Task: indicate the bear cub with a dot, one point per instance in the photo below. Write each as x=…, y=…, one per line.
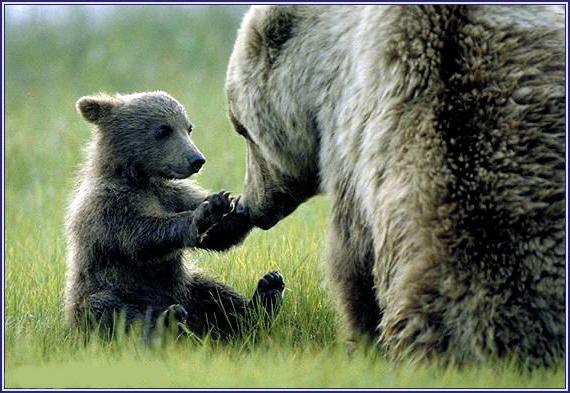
x=134, y=212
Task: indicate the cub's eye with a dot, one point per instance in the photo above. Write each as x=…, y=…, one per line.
x=163, y=131
x=190, y=128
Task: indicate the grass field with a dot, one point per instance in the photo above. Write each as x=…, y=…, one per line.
x=50, y=63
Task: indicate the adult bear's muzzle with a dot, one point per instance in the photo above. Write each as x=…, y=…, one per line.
x=277, y=207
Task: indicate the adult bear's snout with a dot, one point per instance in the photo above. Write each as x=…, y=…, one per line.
x=263, y=220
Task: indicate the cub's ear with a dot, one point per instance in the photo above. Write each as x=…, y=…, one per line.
x=96, y=108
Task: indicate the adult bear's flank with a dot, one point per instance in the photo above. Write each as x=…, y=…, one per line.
x=133, y=214
x=439, y=134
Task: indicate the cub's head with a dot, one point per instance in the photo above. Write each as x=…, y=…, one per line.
x=268, y=88
x=142, y=134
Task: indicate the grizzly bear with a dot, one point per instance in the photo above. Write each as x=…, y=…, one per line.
x=133, y=214
x=438, y=132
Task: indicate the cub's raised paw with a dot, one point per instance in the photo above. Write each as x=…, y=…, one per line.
x=220, y=202
x=269, y=292
x=212, y=210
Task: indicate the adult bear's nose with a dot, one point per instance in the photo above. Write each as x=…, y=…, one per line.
x=197, y=161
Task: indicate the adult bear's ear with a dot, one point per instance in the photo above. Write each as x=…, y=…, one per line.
x=275, y=26
x=96, y=108
x=278, y=26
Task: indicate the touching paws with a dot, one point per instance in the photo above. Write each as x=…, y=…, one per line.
x=229, y=231
x=269, y=292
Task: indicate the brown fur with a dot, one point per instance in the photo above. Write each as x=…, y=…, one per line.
x=438, y=132
x=132, y=215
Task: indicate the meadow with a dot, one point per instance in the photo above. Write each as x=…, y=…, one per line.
x=52, y=61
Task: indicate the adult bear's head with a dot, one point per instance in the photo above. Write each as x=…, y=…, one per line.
x=269, y=80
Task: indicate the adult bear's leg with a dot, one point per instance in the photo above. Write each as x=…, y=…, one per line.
x=217, y=308
x=349, y=272
x=435, y=310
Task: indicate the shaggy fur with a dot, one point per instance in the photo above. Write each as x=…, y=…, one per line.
x=438, y=132
x=132, y=216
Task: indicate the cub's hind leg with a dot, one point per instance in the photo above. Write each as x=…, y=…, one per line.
x=219, y=309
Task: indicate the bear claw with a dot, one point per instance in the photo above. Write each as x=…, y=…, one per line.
x=269, y=292
x=272, y=280
x=175, y=312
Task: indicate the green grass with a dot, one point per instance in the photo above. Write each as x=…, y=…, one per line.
x=184, y=51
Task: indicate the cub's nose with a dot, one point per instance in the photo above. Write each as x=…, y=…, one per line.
x=196, y=162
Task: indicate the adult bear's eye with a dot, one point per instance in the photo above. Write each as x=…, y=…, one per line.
x=163, y=131
x=240, y=129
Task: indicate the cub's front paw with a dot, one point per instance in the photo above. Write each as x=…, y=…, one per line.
x=229, y=231
x=269, y=293
x=212, y=210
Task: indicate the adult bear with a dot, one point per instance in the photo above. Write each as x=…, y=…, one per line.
x=439, y=134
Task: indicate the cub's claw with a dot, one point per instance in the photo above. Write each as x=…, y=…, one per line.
x=212, y=210
x=174, y=314
x=220, y=202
